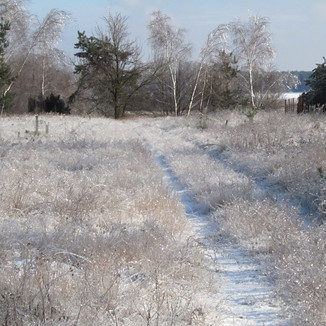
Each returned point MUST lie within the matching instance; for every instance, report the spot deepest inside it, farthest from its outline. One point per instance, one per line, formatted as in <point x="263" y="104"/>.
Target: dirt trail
<point x="246" y="295"/>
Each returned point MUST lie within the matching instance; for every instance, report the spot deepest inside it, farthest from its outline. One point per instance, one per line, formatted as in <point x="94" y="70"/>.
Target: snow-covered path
<point x="249" y="297"/>
<point x="246" y="295"/>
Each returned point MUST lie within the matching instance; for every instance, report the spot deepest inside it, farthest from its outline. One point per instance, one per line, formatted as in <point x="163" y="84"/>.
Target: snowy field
<point x="155" y="221"/>
<point x="291" y="95"/>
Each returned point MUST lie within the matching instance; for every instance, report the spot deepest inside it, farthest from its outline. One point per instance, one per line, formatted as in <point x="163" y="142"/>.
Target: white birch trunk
<point x="195" y="88"/>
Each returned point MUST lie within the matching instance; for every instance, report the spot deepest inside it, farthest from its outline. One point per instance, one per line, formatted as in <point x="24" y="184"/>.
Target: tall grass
<point x="90" y="232"/>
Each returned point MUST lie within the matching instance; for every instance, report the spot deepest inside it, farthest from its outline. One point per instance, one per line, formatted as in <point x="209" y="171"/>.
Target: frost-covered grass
<point x="90" y="232"/>
<point x="294" y="257"/>
<point x="284" y="150"/>
<point x="202" y="175"/>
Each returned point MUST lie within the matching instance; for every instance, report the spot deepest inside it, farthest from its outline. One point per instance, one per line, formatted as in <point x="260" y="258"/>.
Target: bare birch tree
<point x="215" y="42"/>
<point x="14" y="12"/>
<point x="253" y="49"/>
<point x="46" y="38"/>
<point x="26" y="41"/>
<point x="170" y="49"/>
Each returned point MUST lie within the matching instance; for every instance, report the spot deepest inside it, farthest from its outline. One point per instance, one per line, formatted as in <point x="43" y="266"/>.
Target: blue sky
<point x="298" y="26"/>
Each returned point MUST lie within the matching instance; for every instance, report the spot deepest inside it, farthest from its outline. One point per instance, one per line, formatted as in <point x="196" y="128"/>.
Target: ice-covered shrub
<point x="256" y="223"/>
<point x="130" y="275"/>
<point x="300" y="264"/>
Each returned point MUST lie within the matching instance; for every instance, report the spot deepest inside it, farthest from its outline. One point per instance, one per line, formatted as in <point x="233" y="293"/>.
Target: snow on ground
<point x="249" y="297"/>
<point x="291" y="95"/>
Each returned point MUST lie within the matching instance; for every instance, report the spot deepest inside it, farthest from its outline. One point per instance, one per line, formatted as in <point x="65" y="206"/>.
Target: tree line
<point x="28" y="52"/>
<point x="108" y="76"/>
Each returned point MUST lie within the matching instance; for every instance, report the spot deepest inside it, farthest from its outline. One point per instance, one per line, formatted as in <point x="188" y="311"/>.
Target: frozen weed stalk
<point x="36" y="131"/>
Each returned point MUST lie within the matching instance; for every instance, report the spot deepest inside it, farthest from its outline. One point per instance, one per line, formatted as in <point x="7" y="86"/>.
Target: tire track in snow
<point x="247" y="297"/>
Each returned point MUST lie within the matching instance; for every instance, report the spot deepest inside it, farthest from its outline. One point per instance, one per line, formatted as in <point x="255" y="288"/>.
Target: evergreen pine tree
<point x="317" y="83"/>
<point x="110" y="68"/>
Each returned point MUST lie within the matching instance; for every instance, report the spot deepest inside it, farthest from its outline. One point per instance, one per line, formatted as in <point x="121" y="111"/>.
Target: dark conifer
<point x="317" y="82"/>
